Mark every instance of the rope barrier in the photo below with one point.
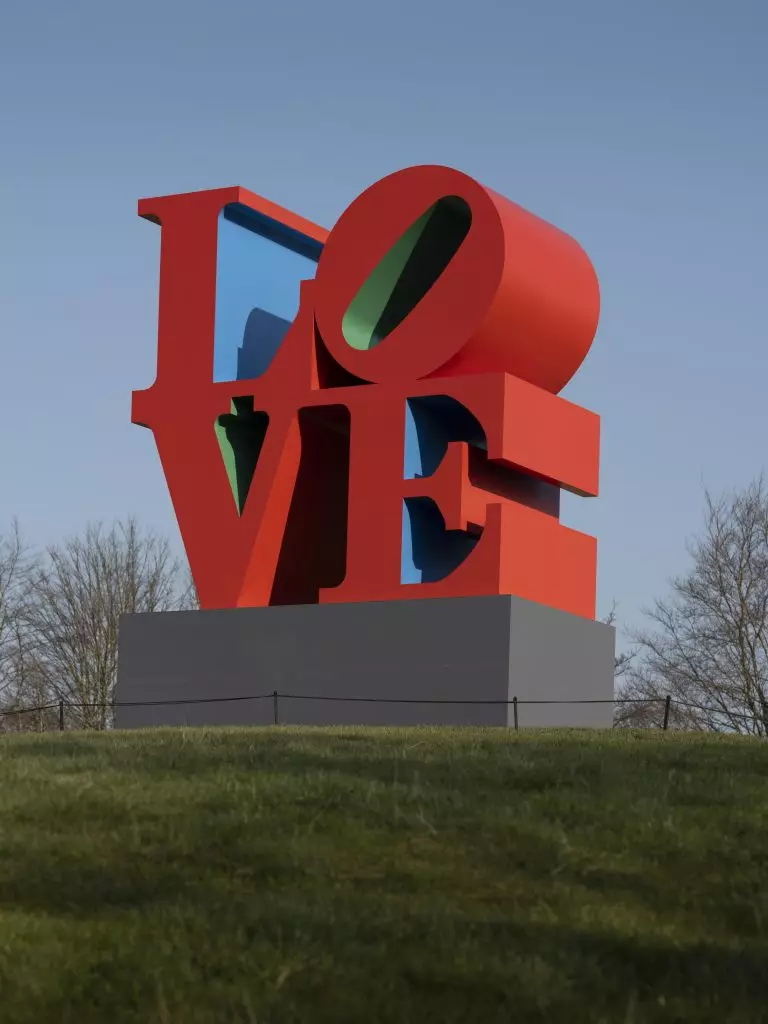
(667, 701)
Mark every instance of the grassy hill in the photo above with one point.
(286, 875)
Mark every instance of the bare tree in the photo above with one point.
(15, 567)
(76, 598)
(12, 558)
(621, 662)
(708, 645)
(634, 709)
(188, 599)
(643, 701)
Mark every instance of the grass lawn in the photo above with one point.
(285, 875)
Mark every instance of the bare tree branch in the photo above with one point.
(708, 643)
(75, 601)
(16, 564)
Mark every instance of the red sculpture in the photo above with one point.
(436, 302)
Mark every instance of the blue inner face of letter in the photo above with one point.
(260, 266)
(429, 551)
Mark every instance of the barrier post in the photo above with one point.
(514, 708)
(274, 701)
(667, 702)
(61, 716)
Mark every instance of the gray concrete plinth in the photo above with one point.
(452, 649)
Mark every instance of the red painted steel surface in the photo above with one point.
(502, 330)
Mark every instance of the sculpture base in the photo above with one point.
(419, 652)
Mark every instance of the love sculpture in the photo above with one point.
(372, 414)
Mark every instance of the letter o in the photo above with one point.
(429, 273)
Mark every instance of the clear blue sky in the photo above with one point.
(639, 127)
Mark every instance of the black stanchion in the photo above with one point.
(667, 703)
